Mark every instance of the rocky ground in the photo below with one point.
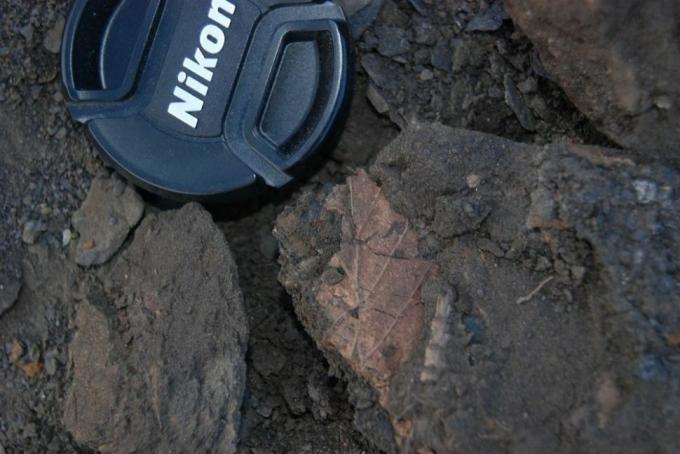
(505, 290)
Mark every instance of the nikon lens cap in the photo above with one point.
(206, 98)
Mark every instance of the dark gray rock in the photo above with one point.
(361, 14)
(52, 40)
(458, 215)
(419, 5)
(489, 20)
(9, 292)
(158, 356)
(392, 41)
(441, 56)
(355, 147)
(32, 231)
(617, 60)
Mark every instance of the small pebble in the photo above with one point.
(27, 33)
(32, 231)
(473, 181)
(51, 362)
(663, 102)
(646, 191)
(15, 350)
(269, 246)
(426, 75)
(66, 237)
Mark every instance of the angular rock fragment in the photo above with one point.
(617, 60)
(110, 210)
(361, 14)
(514, 100)
(392, 41)
(52, 40)
(157, 359)
(10, 286)
(491, 19)
(547, 316)
(32, 231)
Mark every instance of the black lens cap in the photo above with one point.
(206, 98)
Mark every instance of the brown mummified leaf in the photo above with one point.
(376, 311)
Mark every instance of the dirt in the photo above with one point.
(409, 68)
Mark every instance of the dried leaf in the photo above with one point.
(376, 311)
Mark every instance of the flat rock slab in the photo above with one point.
(483, 295)
(158, 355)
(110, 210)
(617, 60)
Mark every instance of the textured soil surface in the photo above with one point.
(87, 288)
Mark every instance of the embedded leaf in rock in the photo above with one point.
(375, 310)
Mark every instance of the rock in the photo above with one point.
(419, 5)
(66, 237)
(489, 20)
(52, 40)
(426, 75)
(51, 362)
(110, 210)
(392, 41)
(27, 32)
(482, 291)
(441, 56)
(377, 100)
(32, 231)
(376, 70)
(15, 351)
(10, 287)
(424, 32)
(157, 358)
(516, 102)
(361, 14)
(617, 60)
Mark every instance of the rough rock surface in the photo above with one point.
(9, 292)
(110, 210)
(551, 319)
(158, 355)
(617, 60)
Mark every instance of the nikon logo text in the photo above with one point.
(197, 72)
